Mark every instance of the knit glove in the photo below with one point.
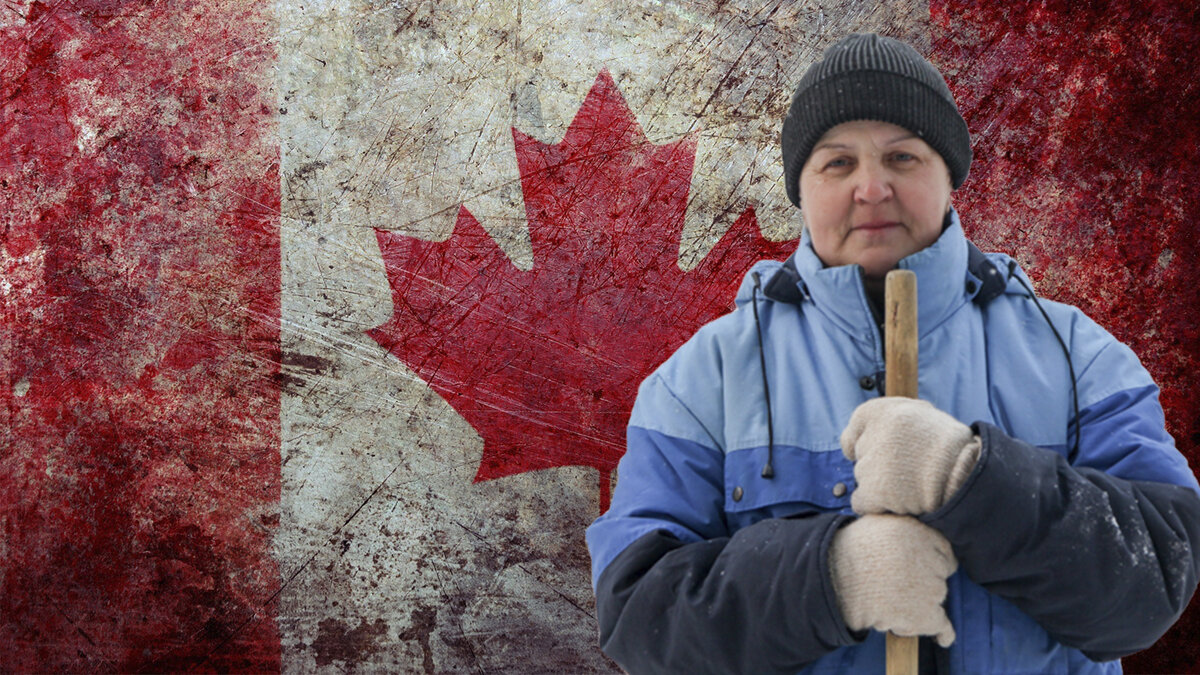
(909, 457)
(889, 573)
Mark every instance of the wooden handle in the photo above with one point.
(900, 321)
(902, 655)
(900, 351)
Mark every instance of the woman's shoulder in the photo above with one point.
(1045, 327)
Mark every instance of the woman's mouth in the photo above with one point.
(877, 225)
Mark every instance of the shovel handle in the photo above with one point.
(900, 316)
(900, 352)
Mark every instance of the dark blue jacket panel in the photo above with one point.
(1105, 565)
(757, 602)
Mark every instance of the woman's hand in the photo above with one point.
(909, 457)
(889, 574)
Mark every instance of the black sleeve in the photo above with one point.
(758, 602)
(1103, 564)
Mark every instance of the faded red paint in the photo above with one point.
(139, 467)
(545, 364)
(1085, 123)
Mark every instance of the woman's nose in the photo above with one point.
(873, 184)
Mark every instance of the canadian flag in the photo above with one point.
(322, 320)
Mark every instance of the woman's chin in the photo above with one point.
(878, 269)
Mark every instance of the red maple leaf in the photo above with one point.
(545, 363)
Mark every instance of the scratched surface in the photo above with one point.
(139, 446)
(545, 363)
(559, 138)
(1085, 125)
(225, 445)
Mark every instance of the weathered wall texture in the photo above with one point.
(139, 340)
(321, 319)
(417, 539)
(1084, 123)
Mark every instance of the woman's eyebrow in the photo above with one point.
(831, 145)
(834, 145)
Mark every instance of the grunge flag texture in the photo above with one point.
(322, 321)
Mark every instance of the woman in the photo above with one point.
(775, 514)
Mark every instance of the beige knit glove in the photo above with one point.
(909, 457)
(889, 573)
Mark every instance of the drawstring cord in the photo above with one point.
(768, 470)
(1012, 267)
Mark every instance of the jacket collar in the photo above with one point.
(949, 272)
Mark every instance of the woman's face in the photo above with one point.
(872, 193)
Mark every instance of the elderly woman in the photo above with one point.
(775, 513)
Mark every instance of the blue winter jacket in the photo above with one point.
(1068, 559)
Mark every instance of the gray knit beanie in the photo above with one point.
(865, 76)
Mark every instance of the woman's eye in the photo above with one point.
(837, 163)
(903, 157)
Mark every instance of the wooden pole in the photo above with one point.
(900, 352)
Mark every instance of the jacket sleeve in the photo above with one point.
(1103, 553)
(675, 591)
